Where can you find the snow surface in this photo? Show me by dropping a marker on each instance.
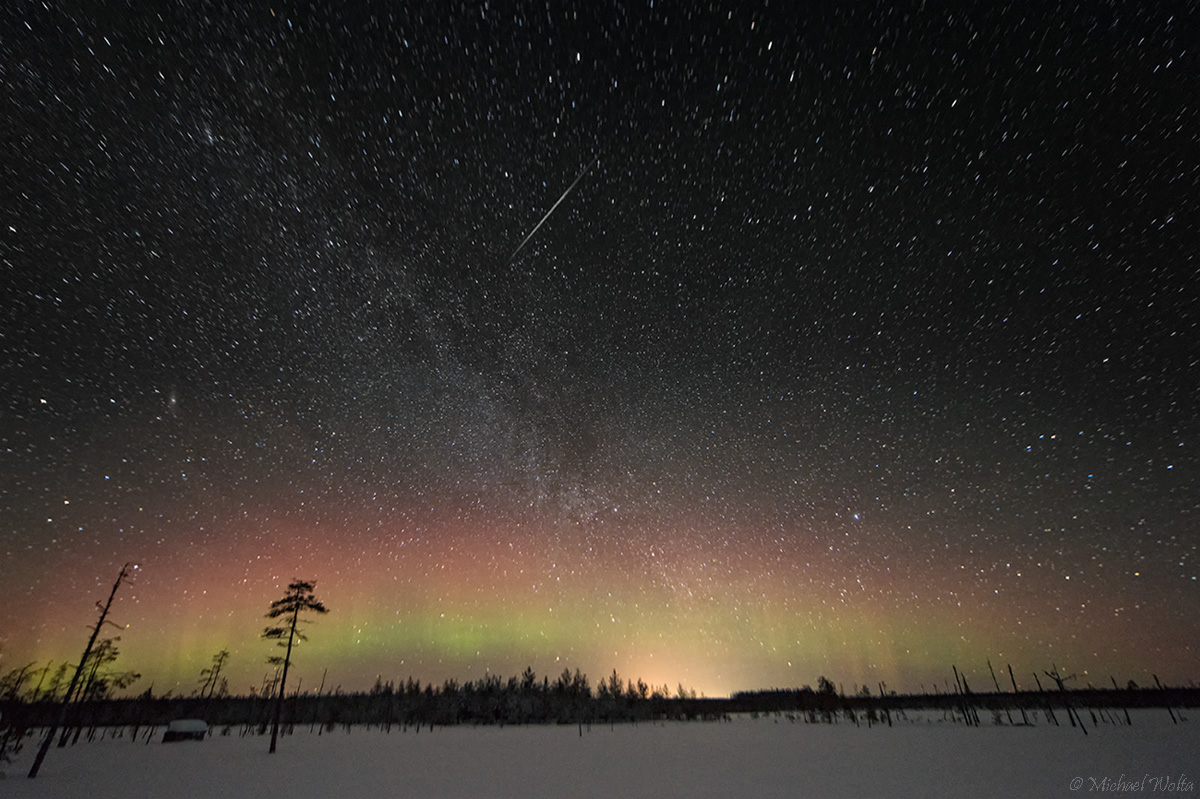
(763, 757)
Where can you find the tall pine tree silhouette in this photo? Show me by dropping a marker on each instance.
(299, 598)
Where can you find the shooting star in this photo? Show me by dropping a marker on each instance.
(578, 178)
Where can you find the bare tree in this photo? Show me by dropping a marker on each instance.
(101, 679)
(66, 703)
(213, 683)
(298, 598)
(12, 737)
(1066, 696)
(58, 682)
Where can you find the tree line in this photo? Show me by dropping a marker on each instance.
(86, 701)
(570, 698)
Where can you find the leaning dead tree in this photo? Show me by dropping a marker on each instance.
(87, 652)
(1160, 688)
(1061, 682)
(996, 682)
(213, 683)
(966, 705)
(1117, 688)
(1024, 718)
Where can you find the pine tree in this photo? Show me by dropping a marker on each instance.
(298, 598)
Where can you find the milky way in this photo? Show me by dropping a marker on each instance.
(868, 348)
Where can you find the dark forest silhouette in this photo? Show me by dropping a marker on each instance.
(570, 699)
(87, 703)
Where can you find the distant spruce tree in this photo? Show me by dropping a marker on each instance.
(298, 599)
(826, 698)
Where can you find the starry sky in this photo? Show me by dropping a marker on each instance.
(866, 346)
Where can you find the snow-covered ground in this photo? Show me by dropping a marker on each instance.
(761, 757)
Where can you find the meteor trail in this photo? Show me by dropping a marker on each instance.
(547, 216)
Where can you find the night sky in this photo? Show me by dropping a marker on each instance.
(868, 345)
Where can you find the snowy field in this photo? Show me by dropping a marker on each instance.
(763, 757)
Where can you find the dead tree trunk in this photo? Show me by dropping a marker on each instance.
(962, 702)
(62, 715)
(1165, 702)
(1024, 719)
(1125, 709)
(1071, 714)
(1042, 691)
(1007, 712)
